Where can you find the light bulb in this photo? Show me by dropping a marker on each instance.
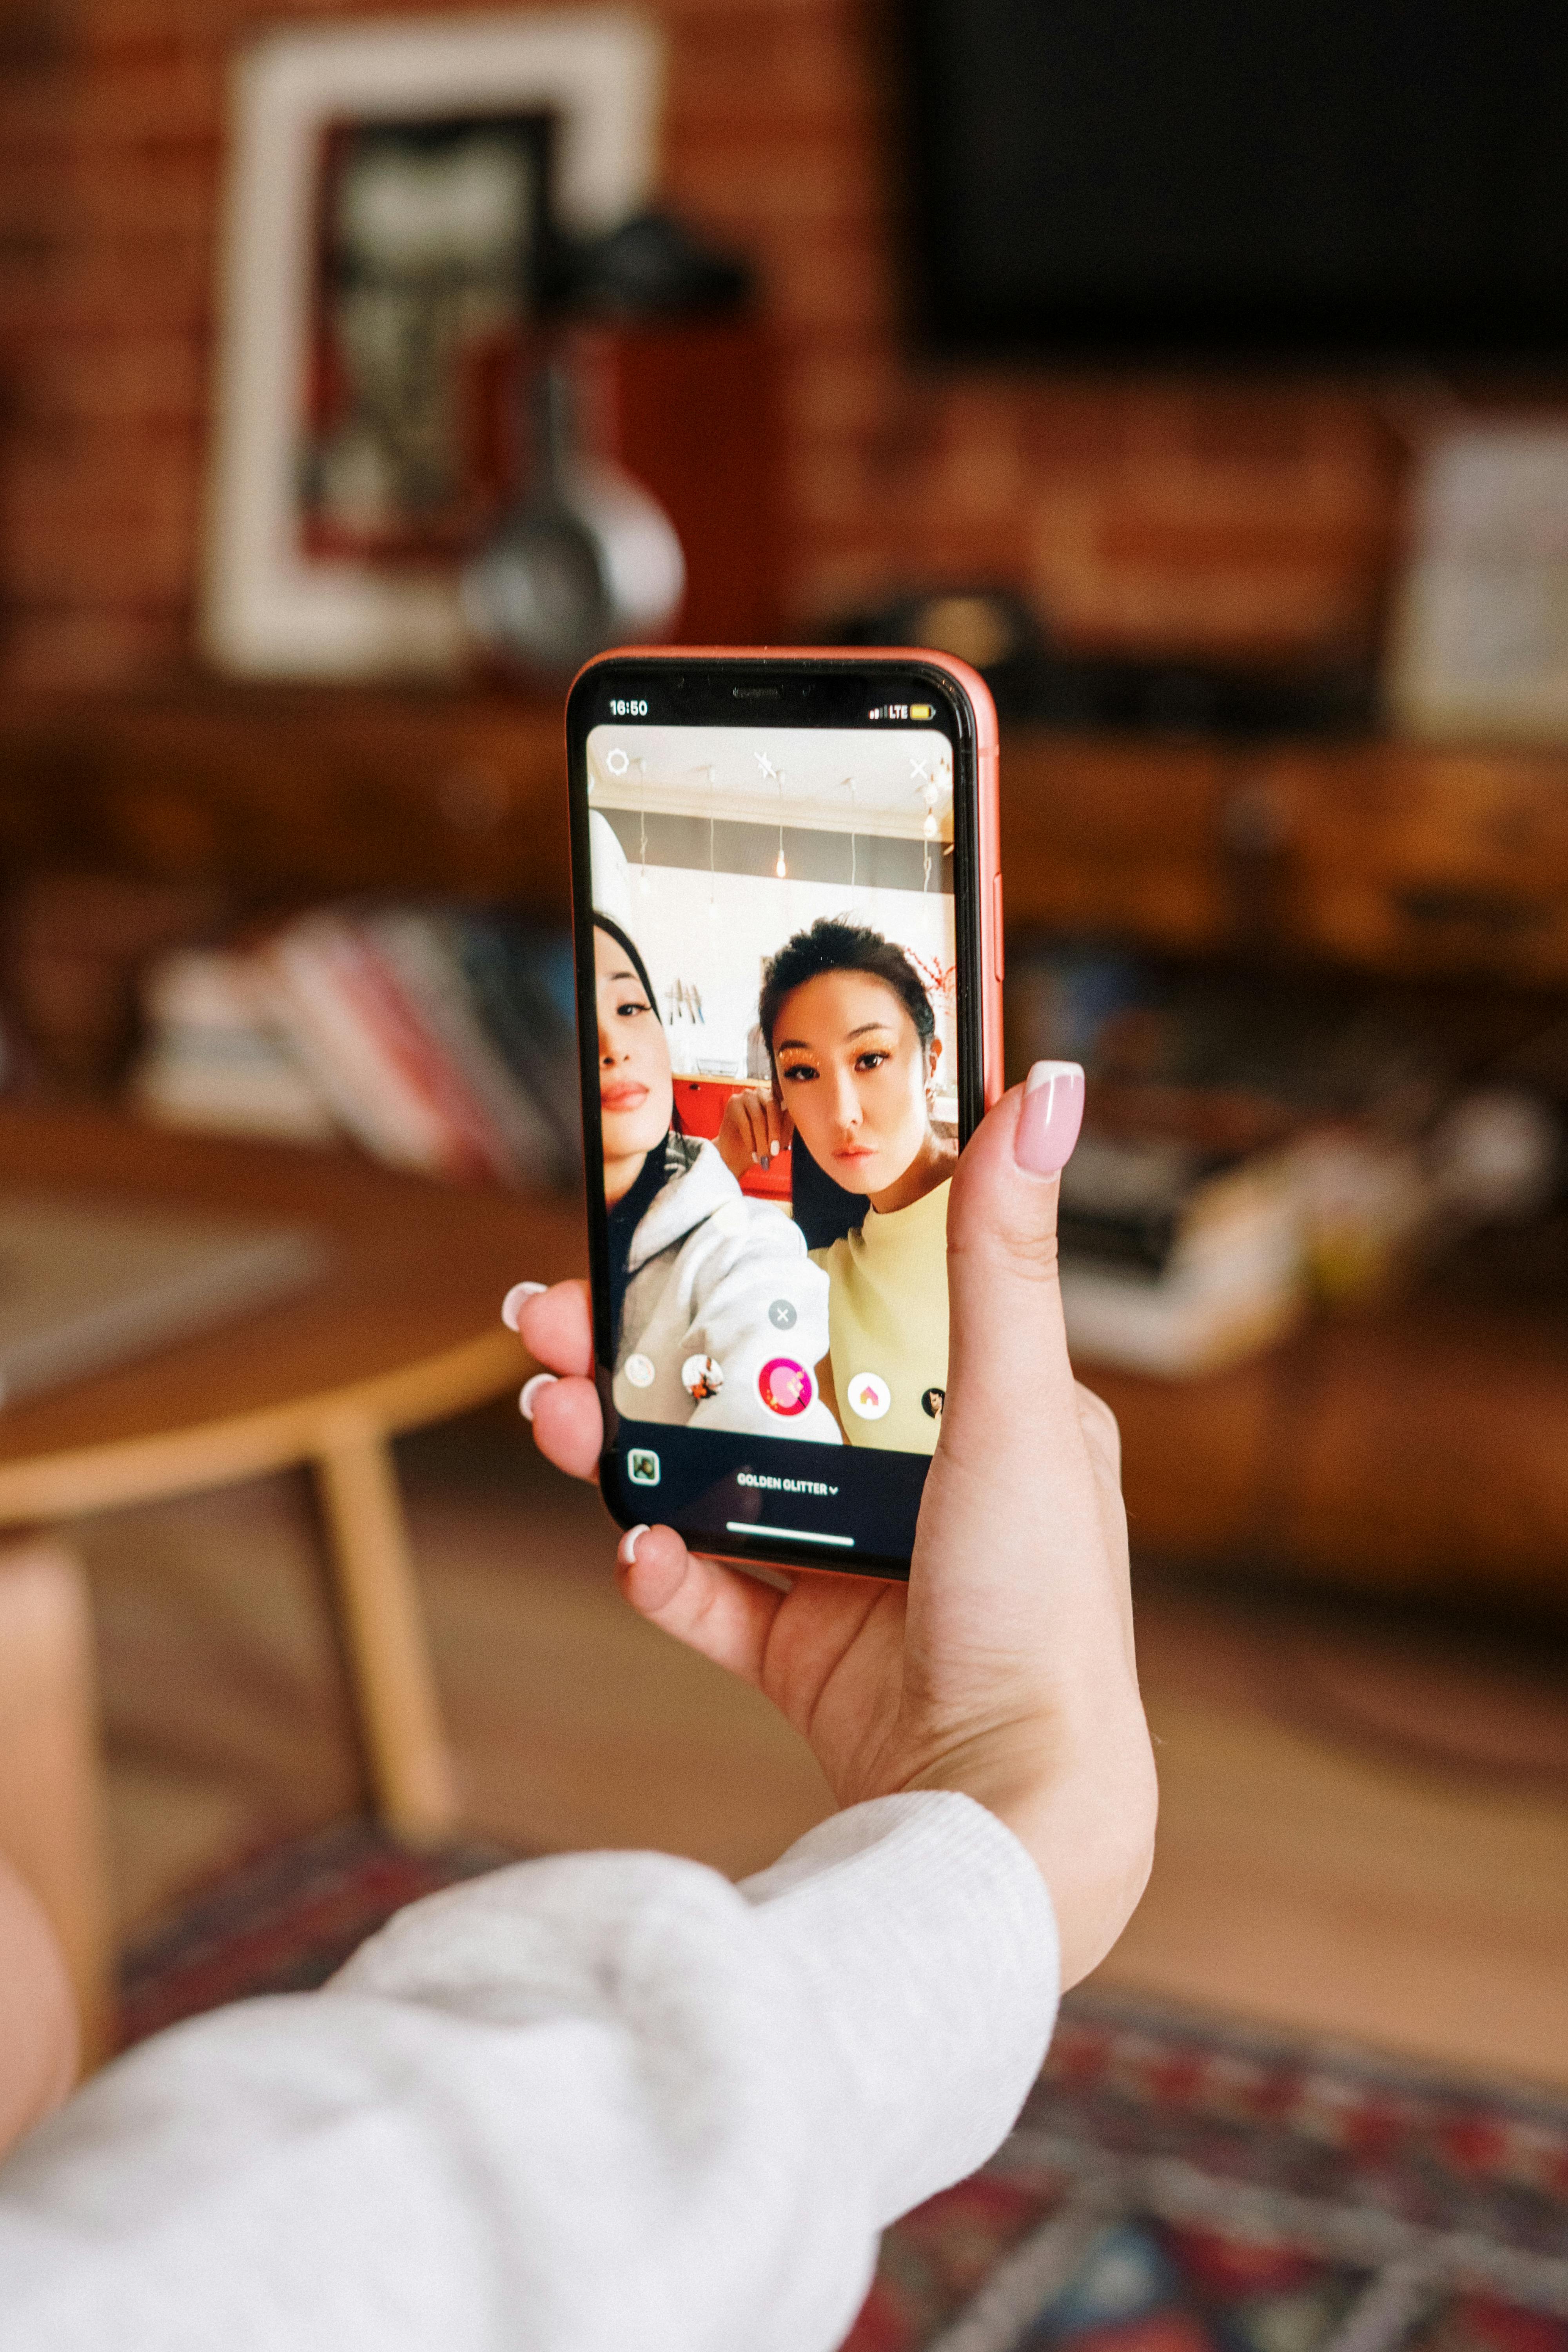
(781, 869)
(929, 828)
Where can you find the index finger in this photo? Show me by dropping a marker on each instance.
(556, 1326)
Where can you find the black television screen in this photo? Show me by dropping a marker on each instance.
(1343, 179)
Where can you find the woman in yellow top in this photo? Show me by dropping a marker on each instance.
(852, 1039)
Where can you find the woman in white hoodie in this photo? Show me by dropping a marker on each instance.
(701, 1277)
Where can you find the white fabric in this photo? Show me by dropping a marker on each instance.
(705, 1264)
(580, 2105)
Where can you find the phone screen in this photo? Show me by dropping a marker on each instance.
(781, 1079)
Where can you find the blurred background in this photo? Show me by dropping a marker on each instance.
(1206, 385)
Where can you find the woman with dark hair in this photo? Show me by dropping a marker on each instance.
(852, 1040)
(699, 1272)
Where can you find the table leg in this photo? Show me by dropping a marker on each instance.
(388, 1653)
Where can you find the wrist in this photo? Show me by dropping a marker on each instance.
(1084, 1814)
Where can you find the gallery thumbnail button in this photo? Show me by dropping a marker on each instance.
(640, 1371)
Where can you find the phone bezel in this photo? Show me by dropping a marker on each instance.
(807, 688)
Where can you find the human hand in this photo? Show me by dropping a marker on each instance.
(754, 1131)
(1005, 1669)
(39, 2037)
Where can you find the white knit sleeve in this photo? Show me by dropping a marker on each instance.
(602, 2100)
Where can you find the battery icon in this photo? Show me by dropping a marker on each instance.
(922, 710)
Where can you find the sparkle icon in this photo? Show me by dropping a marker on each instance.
(767, 766)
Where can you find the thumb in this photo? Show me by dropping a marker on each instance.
(1010, 1384)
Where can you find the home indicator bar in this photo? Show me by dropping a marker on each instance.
(791, 1535)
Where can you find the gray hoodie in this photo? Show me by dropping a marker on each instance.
(715, 1273)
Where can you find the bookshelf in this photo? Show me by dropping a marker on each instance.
(1413, 1448)
(1384, 857)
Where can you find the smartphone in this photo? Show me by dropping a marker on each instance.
(787, 912)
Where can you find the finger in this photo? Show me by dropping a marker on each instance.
(736, 1119)
(568, 1423)
(1102, 1435)
(1101, 1429)
(1009, 1352)
(712, 1608)
(1012, 1450)
(775, 1120)
(556, 1326)
(757, 1128)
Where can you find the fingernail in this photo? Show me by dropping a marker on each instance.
(1051, 1116)
(530, 1393)
(511, 1304)
(772, 1151)
(627, 1552)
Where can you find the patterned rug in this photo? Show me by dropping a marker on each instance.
(1174, 2185)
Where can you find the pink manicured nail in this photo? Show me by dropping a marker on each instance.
(627, 1553)
(1051, 1116)
(531, 1390)
(511, 1304)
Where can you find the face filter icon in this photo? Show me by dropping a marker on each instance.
(701, 1377)
(784, 1386)
(870, 1396)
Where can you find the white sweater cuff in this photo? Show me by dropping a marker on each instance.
(926, 1940)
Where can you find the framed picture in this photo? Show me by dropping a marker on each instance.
(393, 189)
(1479, 644)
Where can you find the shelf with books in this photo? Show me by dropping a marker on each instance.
(1368, 854)
(1414, 1436)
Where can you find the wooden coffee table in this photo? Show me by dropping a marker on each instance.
(403, 1329)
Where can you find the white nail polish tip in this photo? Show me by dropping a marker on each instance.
(511, 1304)
(1050, 1073)
(531, 1392)
(629, 1542)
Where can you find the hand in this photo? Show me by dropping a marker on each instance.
(753, 1132)
(1006, 1668)
(38, 2043)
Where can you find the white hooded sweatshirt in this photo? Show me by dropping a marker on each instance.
(713, 1273)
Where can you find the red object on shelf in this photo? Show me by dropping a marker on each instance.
(700, 1110)
(690, 408)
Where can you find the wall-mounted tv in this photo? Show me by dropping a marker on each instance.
(1346, 181)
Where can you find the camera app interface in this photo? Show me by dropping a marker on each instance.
(774, 964)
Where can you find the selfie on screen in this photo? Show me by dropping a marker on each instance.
(775, 976)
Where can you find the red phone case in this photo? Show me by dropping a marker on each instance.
(988, 844)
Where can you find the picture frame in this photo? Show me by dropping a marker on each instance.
(1478, 648)
(289, 591)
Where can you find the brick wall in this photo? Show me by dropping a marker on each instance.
(1144, 511)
